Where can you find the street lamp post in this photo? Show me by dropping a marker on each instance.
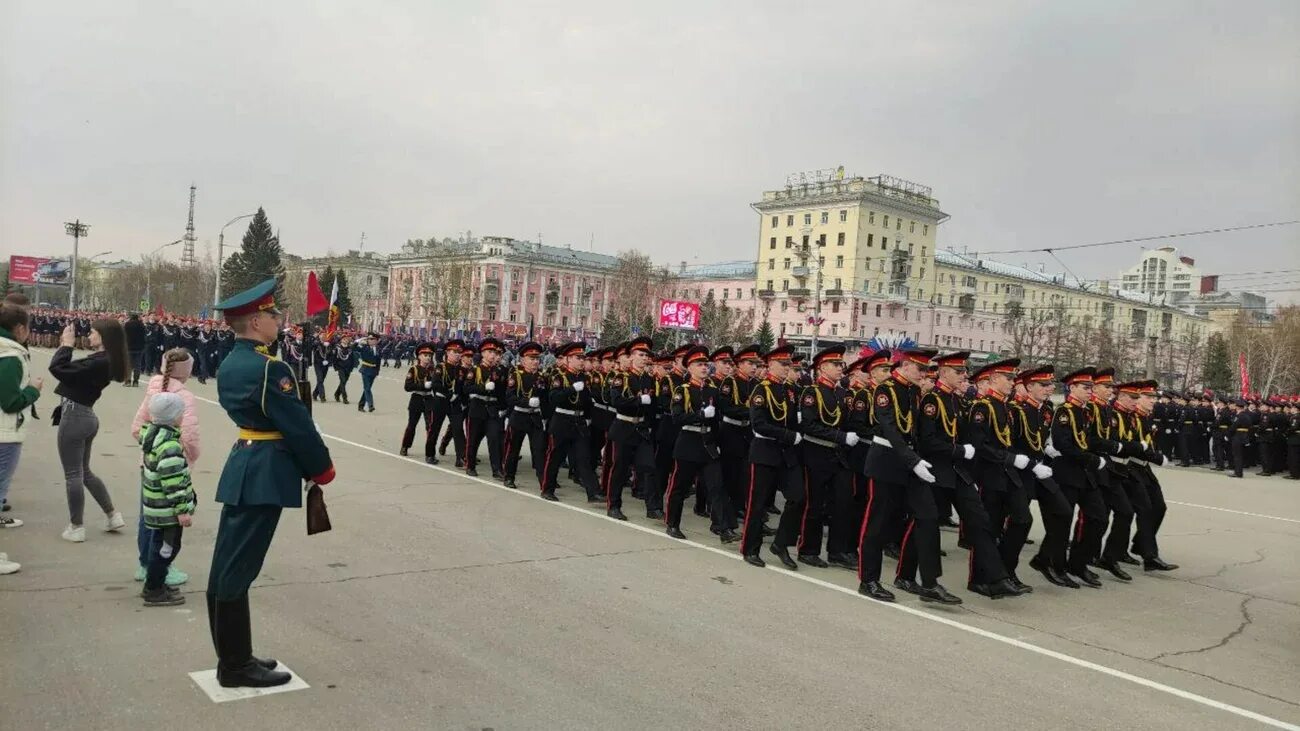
(90, 259)
(77, 230)
(148, 273)
(221, 241)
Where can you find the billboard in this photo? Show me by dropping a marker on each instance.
(22, 269)
(54, 271)
(682, 315)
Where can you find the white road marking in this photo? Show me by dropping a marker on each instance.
(1004, 639)
(1235, 512)
(207, 682)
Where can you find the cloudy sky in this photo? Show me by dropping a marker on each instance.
(1036, 123)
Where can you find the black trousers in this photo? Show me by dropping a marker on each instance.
(828, 488)
(342, 389)
(477, 428)
(683, 475)
(985, 563)
(515, 435)
(884, 499)
(244, 534)
(632, 453)
(1150, 514)
(1089, 526)
(764, 482)
(1293, 460)
(455, 428)
(848, 502)
(1185, 445)
(1122, 497)
(566, 441)
(1220, 443)
(1056, 510)
(1010, 519)
(734, 444)
(1237, 446)
(419, 408)
(321, 372)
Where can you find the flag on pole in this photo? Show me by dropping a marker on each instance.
(333, 324)
(315, 298)
(1245, 376)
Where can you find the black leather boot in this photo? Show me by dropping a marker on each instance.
(236, 666)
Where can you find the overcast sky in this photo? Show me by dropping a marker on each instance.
(1036, 124)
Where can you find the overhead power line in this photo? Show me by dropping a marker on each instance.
(1140, 239)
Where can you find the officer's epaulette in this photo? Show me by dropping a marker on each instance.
(265, 351)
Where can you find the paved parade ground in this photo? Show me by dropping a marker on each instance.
(442, 601)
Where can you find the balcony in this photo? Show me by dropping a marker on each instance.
(766, 294)
(800, 271)
(799, 292)
(897, 294)
(1015, 294)
(833, 293)
(966, 304)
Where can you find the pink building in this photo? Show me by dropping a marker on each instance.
(498, 286)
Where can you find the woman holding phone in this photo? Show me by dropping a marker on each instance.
(81, 382)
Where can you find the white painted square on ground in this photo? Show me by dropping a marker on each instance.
(207, 681)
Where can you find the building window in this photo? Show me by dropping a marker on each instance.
(785, 305)
(821, 262)
(771, 264)
(911, 227)
(771, 244)
(884, 243)
(785, 284)
(564, 321)
(821, 240)
(871, 217)
(871, 240)
(839, 261)
(922, 252)
(925, 230)
(877, 310)
(837, 283)
(514, 296)
(898, 223)
(774, 220)
(789, 220)
(835, 329)
(789, 241)
(805, 242)
(826, 217)
(807, 219)
(798, 328)
(737, 292)
(839, 239)
(835, 306)
(769, 285)
(886, 221)
(844, 216)
(514, 316)
(785, 263)
(725, 292)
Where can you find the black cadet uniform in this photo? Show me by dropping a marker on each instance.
(524, 391)
(773, 464)
(826, 439)
(1114, 481)
(630, 394)
(567, 435)
(695, 452)
(449, 398)
(1033, 431)
(1077, 470)
(484, 386)
(734, 432)
(419, 383)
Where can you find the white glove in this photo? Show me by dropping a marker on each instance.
(428, 385)
(645, 399)
(1021, 461)
(968, 451)
(534, 402)
(490, 386)
(1042, 471)
(1101, 463)
(708, 411)
(578, 386)
(922, 470)
(1051, 451)
(851, 438)
(798, 437)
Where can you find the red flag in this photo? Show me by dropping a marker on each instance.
(316, 301)
(158, 310)
(1245, 376)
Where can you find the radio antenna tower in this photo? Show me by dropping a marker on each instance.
(187, 254)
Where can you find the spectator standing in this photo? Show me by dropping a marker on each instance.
(17, 392)
(134, 330)
(166, 494)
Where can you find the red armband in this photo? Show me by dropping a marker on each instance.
(325, 477)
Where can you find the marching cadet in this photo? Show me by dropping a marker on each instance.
(999, 472)
(419, 383)
(1033, 416)
(278, 448)
(523, 397)
(667, 428)
(735, 433)
(1115, 481)
(602, 416)
(322, 353)
(824, 457)
(345, 360)
(567, 430)
(368, 365)
(1186, 427)
(630, 393)
(773, 460)
(1222, 432)
(449, 401)
(1133, 406)
(896, 474)
(722, 366)
(652, 492)
(695, 452)
(941, 442)
(1293, 440)
(1077, 467)
(842, 541)
(484, 386)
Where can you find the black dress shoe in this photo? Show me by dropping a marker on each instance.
(783, 553)
(814, 560)
(994, 590)
(1113, 569)
(1021, 587)
(616, 514)
(908, 585)
(431, 460)
(361, 407)
(939, 595)
(1087, 578)
(442, 450)
(942, 553)
(1052, 575)
(768, 531)
(496, 475)
(729, 536)
(251, 675)
(1158, 564)
(892, 551)
(675, 532)
(874, 590)
(550, 495)
(1029, 541)
(1126, 558)
(654, 514)
(510, 483)
(403, 451)
(753, 560)
(701, 512)
(1064, 579)
(472, 472)
(371, 409)
(1092, 575)
(844, 561)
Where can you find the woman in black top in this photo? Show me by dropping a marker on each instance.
(80, 384)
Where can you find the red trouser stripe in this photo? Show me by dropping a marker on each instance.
(668, 498)
(866, 518)
(749, 506)
(546, 466)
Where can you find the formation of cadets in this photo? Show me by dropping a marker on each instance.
(870, 457)
(1231, 434)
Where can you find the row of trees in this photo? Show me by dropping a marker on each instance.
(1271, 350)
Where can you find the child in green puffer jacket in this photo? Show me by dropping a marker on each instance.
(167, 494)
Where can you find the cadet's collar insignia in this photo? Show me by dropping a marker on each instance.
(882, 399)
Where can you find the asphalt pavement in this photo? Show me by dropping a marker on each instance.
(441, 601)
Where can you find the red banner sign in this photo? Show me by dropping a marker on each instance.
(683, 315)
(1245, 376)
(22, 269)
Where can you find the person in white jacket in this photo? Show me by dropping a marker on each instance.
(18, 391)
(177, 366)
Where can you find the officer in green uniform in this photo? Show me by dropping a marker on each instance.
(278, 448)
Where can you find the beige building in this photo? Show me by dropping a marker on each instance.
(367, 275)
(1163, 273)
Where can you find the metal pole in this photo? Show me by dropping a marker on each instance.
(221, 241)
(817, 310)
(72, 288)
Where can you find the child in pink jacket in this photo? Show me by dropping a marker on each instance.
(177, 366)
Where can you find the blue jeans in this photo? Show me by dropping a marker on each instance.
(9, 453)
(367, 398)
